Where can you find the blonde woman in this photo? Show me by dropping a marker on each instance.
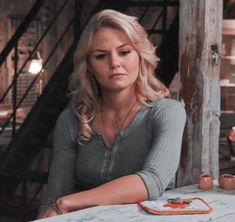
(120, 139)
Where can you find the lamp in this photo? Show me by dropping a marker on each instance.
(35, 65)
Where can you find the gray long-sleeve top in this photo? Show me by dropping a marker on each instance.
(149, 147)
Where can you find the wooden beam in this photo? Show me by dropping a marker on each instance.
(200, 36)
(153, 3)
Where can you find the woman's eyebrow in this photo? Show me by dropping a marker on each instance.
(126, 44)
(105, 50)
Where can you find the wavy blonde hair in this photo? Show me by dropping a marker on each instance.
(85, 89)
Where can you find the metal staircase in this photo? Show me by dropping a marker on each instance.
(17, 166)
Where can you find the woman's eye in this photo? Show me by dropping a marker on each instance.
(123, 53)
(101, 56)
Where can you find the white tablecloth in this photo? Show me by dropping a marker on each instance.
(222, 202)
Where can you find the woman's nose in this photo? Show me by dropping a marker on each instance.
(114, 61)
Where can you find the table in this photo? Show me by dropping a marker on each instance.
(222, 202)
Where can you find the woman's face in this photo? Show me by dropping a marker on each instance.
(113, 60)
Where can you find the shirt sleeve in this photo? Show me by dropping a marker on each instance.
(62, 170)
(168, 120)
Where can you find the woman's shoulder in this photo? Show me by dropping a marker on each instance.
(167, 105)
(166, 102)
(67, 124)
(68, 116)
(167, 112)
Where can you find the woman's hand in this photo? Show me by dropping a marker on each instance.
(55, 209)
(49, 212)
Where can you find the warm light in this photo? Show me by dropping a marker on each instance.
(35, 65)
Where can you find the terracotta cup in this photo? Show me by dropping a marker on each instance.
(205, 181)
(227, 181)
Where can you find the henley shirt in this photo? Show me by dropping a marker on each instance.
(150, 147)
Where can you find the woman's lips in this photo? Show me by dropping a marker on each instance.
(117, 74)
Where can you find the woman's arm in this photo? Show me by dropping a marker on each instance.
(168, 121)
(126, 189)
(62, 170)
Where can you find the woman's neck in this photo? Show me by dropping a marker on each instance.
(118, 101)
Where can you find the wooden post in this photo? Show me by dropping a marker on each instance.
(200, 36)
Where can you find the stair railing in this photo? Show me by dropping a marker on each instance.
(20, 30)
(16, 75)
(13, 44)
